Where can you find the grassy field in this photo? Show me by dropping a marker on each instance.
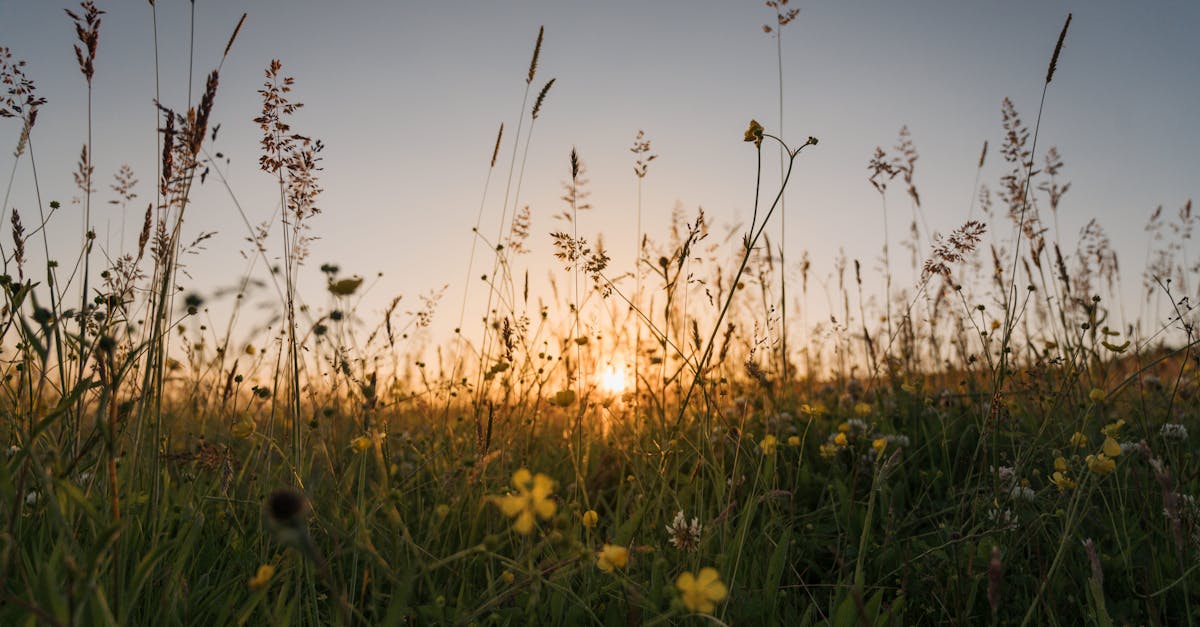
(983, 447)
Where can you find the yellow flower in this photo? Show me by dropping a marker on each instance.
(1111, 447)
(1063, 482)
(563, 398)
(879, 444)
(862, 409)
(590, 518)
(701, 592)
(1111, 429)
(828, 450)
(1100, 464)
(262, 577)
(840, 439)
(844, 427)
(794, 440)
(243, 428)
(360, 444)
(1079, 440)
(532, 499)
(442, 510)
(1096, 395)
(768, 444)
(1060, 464)
(508, 577)
(995, 324)
(755, 133)
(612, 557)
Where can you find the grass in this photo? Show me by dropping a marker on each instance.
(983, 448)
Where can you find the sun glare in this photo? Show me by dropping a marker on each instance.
(613, 379)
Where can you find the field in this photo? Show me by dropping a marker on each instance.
(671, 441)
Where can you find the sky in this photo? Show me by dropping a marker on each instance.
(407, 97)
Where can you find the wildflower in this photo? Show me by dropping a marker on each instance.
(862, 409)
(1005, 473)
(701, 592)
(844, 427)
(563, 398)
(507, 576)
(1173, 431)
(442, 511)
(13, 450)
(1111, 447)
(879, 444)
(31, 498)
(1096, 395)
(532, 498)
(243, 428)
(754, 133)
(1003, 518)
(261, 578)
(286, 510)
(1111, 429)
(856, 424)
(684, 536)
(1022, 493)
(360, 444)
(828, 451)
(612, 557)
(1079, 440)
(794, 440)
(768, 444)
(590, 518)
(1060, 464)
(901, 441)
(1063, 482)
(840, 439)
(1101, 464)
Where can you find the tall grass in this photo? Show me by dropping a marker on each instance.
(957, 451)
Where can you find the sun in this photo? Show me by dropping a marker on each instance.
(613, 379)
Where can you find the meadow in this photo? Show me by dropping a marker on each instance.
(985, 446)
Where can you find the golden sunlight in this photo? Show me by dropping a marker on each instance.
(613, 379)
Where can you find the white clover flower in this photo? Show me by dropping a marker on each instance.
(684, 535)
(1005, 473)
(1173, 431)
(1022, 493)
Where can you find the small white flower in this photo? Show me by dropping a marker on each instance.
(31, 498)
(1173, 431)
(857, 424)
(13, 450)
(901, 441)
(1005, 473)
(1023, 493)
(684, 535)
(1003, 518)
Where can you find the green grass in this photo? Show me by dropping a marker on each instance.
(901, 470)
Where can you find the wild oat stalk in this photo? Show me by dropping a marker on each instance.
(87, 30)
(643, 157)
(294, 160)
(783, 17)
(1010, 311)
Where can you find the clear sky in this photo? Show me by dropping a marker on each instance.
(407, 97)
